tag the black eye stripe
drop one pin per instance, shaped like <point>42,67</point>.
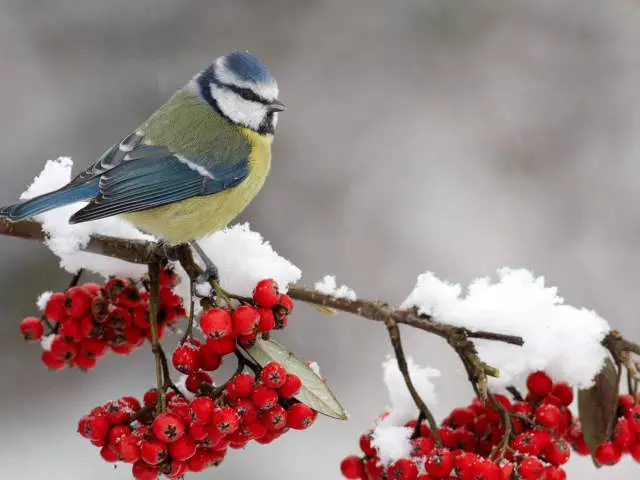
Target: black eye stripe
<point>245,93</point>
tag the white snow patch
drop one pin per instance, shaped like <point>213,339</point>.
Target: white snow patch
<point>561,339</point>
<point>328,286</point>
<point>43,299</point>
<point>46,340</point>
<point>390,437</point>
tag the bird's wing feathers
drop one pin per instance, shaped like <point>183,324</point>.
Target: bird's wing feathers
<point>150,176</point>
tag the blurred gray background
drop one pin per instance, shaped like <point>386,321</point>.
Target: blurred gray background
<point>446,135</point>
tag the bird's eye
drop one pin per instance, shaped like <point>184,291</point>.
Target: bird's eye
<point>249,94</point>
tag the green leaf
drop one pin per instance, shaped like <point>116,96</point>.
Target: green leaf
<point>314,391</point>
<point>598,405</point>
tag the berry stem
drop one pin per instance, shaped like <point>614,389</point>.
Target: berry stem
<point>396,343</point>
<point>501,448</point>
<point>515,393</point>
<point>188,334</point>
<point>154,302</point>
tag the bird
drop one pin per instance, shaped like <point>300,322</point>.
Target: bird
<point>191,167</point>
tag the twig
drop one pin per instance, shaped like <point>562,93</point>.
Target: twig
<point>154,301</point>
<point>501,448</point>
<point>396,343</point>
<point>515,393</point>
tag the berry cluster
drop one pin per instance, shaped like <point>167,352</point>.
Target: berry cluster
<point>89,319</point>
<point>472,441</point>
<point>226,328</point>
<point>625,438</point>
<point>191,435</point>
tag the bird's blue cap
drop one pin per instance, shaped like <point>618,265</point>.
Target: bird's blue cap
<point>248,68</point>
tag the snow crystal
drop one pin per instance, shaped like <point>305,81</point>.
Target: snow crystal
<point>43,299</point>
<point>392,442</point>
<point>315,368</point>
<point>563,340</point>
<point>390,437</point>
<point>45,342</point>
<point>242,256</point>
<point>328,286</point>
<point>181,384</point>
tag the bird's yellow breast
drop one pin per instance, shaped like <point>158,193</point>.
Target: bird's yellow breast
<point>197,217</point>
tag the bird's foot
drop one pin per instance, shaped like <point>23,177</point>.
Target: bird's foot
<point>166,251</point>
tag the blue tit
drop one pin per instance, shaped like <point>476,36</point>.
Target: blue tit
<point>189,169</point>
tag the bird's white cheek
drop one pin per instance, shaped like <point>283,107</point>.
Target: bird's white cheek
<point>239,110</point>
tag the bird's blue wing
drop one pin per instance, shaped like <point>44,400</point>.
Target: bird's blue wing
<point>151,176</point>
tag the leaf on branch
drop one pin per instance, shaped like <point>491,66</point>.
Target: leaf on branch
<point>314,391</point>
<point>326,310</point>
<point>597,406</point>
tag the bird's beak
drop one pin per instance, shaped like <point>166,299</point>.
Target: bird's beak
<point>277,106</point>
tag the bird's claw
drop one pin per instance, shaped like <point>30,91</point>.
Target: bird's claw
<point>166,251</point>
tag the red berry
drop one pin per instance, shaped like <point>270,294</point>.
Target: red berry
<point>186,358</point>
<point>539,383</point>
<point>564,392</point>
<point>77,302</point>
<point>403,469</point>
<point>245,320</point>
<point>198,462</point>
<point>63,349</point>
<point>195,379</point>
<point>117,412</point>
<point>634,450</point>
<point>52,362</point>
<point>554,473</point>
<point>167,427</point>
<point>222,346</point>
<point>226,420</point>
<point>576,439</point>
<point>522,408</point>
<point>548,416</point>
<point>183,449</point>
<point>178,469</point>
<point>365,445</point>
<point>607,454</point>
<point>284,302</point>
<point>109,454</point>
<point>55,307</point>
<point>421,446</point>
<point>117,433</point>
<point>266,293</point>
<point>634,418</point>
<point>557,452</point>
<point>248,341</point>
<point>209,360</point>
<point>300,416</point>
<point>626,402</point>
<point>374,469</point>
<point>267,320</point>
<point>240,386</point>
<point>273,375</point>
<point>439,462</point>
<point>31,328</point>
<point>291,386</point>
<point>93,427</point>
<point>142,471</point>
<point>247,410</point>
<point>93,347</point>
<point>168,277</point>
<point>531,469</point>
<point>527,443</point>
<point>264,397</point>
<point>623,434</point>
<point>201,409</point>
<point>352,468</point>
<point>461,418</point>
<point>132,403</point>
<point>128,449</point>
<point>169,299</point>
<point>150,396</point>
<point>153,452</point>
<point>85,363</point>
<point>275,418</point>
<point>198,431</point>
<point>255,429</point>
<point>216,323</point>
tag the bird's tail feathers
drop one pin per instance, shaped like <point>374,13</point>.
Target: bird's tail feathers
<point>58,198</point>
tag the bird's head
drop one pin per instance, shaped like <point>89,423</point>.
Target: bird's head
<point>242,89</point>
